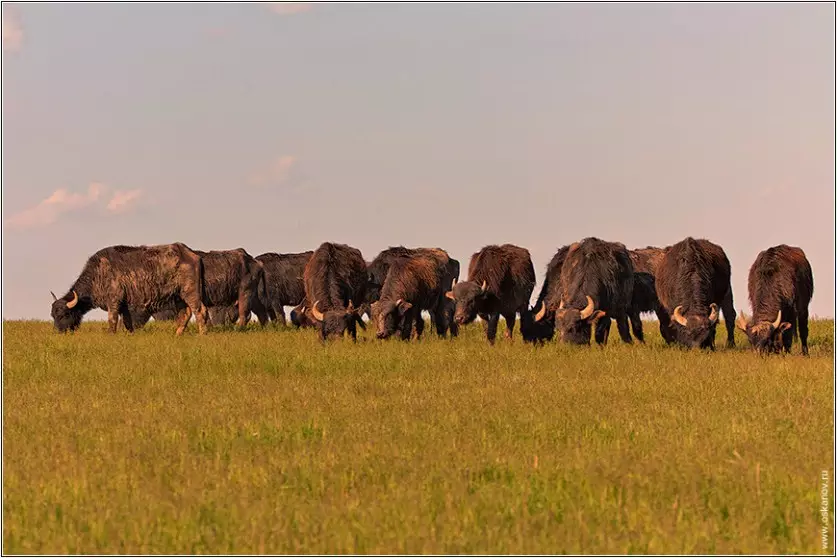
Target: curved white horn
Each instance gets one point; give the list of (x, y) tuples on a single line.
[(778, 320), (73, 302), (541, 313), (589, 309), (483, 286), (678, 317), (741, 322), (315, 311)]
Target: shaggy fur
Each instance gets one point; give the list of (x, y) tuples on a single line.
[(334, 277), (509, 278), (442, 317), (283, 282), (413, 284), (695, 274), (780, 279), (145, 278), (603, 272), (231, 278), (644, 299)]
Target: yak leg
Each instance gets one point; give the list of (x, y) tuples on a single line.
[(491, 326), (636, 326), (624, 328), (113, 317), (127, 319), (182, 320), (278, 315), (243, 309), (729, 317), (261, 312), (407, 325), (510, 319), (802, 318), (419, 323), (602, 330)]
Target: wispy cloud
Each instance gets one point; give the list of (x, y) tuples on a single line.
[(122, 200), (290, 8), (62, 202), (12, 31), (277, 172)]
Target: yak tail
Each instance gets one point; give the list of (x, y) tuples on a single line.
[(261, 290)]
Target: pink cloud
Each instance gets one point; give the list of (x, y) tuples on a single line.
[(62, 202), (122, 200), (289, 8), (59, 202), (12, 32), (276, 172)]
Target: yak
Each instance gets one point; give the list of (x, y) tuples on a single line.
[(334, 278), (500, 282), (693, 283), (147, 278), (780, 285)]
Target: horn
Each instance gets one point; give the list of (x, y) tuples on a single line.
[(449, 294), (541, 313), (589, 309), (53, 296), (73, 302), (741, 322), (483, 286), (678, 317), (561, 305), (399, 301), (713, 312), (452, 285), (315, 311), (778, 320)]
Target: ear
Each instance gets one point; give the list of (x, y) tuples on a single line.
[(596, 316), (403, 306), (449, 294), (783, 326)]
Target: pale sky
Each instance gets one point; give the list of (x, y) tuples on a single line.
[(275, 128)]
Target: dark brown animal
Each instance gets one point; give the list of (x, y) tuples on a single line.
[(540, 331), (283, 284), (231, 279), (597, 282), (780, 285), (500, 282), (413, 284), (442, 317), (334, 278), (147, 278), (693, 282)]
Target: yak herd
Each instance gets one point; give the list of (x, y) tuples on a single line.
[(587, 284)]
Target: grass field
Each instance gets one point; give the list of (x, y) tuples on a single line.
[(266, 441)]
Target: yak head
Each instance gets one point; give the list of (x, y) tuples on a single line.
[(469, 298), (334, 323), (764, 336), (695, 331), (67, 314), (389, 316), (573, 325)]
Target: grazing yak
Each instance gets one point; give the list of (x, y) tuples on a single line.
[(693, 283), (413, 284), (146, 278), (596, 285), (500, 282), (283, 284), (334, 278), (780, 285), (442, 316)]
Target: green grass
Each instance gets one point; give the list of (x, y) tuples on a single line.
[(266, 441)]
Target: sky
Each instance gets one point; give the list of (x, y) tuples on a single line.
[(276, 127)]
